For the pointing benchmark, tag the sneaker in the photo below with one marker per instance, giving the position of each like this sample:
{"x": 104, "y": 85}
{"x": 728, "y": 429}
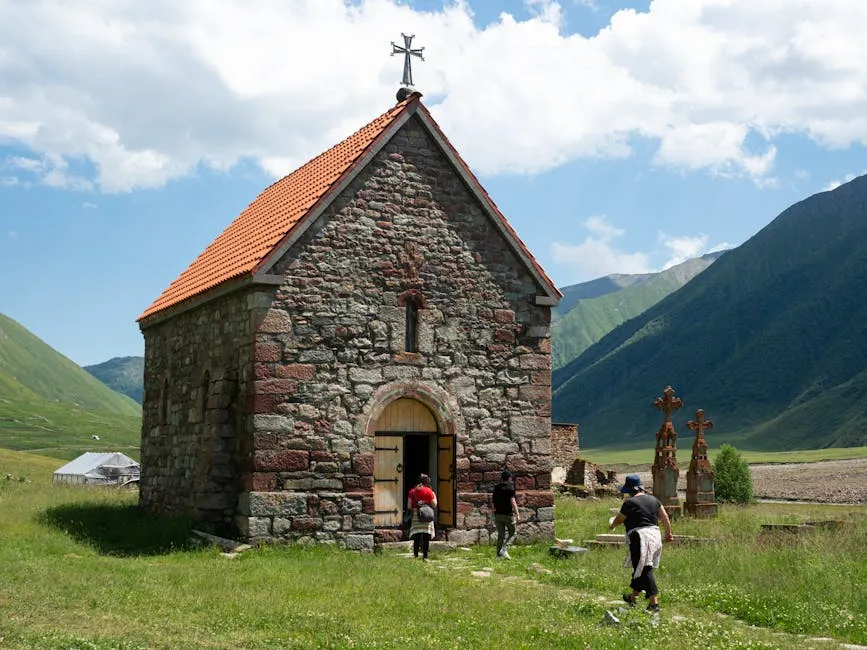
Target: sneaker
{"x": 653, "y": 608}
{"x": 504, "y": 555}
{"x": 629, "y": 599}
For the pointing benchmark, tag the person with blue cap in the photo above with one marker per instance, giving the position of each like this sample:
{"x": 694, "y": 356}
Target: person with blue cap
{"x": 641, "y": 513}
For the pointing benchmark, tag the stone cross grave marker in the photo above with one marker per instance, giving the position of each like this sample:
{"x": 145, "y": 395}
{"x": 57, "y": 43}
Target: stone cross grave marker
{"x": 700, "y": 497}
{"x": 665, "y": 470}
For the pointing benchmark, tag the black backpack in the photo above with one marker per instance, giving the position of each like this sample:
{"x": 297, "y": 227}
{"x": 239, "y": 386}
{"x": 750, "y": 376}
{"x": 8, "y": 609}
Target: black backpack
{"x": 425, "y": 513}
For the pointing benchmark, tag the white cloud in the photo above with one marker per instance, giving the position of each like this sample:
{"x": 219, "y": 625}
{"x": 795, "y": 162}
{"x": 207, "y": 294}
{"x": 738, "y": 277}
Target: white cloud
{"x": 50, "y": 169}
{"x": 596, "y": 255}
{"x": 87, "y": 205}
{"x": 8, "y": 181}
{"x": 13, "y": 234}
{"x": 682, "y": 248}
{"x": 724, "y": 246}
{"x": 834, "y": 184}
{"x": 146, "y": 92}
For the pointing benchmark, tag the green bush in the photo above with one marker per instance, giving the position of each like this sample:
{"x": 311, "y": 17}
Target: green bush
{"x": 732, "y": 479}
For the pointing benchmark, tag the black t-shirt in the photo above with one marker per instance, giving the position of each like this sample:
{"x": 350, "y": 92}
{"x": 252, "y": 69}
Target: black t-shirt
{"x": 640, "y": 510}
{"x": 503, "y": 493}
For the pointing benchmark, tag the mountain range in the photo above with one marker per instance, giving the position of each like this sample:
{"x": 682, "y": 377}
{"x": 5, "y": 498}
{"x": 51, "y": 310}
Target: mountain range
{"x": 770, "y": 340}
{"x": 50, "y": 404}
{"x": 123, "y": 374}
{"x": 588, "y": 311}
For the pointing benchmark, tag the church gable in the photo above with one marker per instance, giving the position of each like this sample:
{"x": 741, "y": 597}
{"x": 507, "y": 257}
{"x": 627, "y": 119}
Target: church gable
{"x": 409, "y": 222}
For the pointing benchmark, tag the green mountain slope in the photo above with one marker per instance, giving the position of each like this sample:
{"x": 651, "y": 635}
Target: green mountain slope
{"x": 771, "y": 341}
{"x": 122, "y": 374}
{"x": 575, "y": 293}
{"x": 591, "y": 318}
{"x": 44, "y": 372}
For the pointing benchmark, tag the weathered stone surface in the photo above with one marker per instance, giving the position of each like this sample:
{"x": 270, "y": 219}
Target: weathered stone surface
{"x": 359, "y": 542}
{"x": 290, "y": 460}
{"x": 271, "y": 504}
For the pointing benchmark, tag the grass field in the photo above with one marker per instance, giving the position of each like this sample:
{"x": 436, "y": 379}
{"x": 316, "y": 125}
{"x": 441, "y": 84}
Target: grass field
{"x": 84, "y": 568}
{"x": 638, "y": 458}
{"x": 63, "y": 431}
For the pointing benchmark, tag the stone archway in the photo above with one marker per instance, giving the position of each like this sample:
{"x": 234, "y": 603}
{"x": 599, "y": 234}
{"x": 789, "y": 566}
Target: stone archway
{"x": 414, "y": 427}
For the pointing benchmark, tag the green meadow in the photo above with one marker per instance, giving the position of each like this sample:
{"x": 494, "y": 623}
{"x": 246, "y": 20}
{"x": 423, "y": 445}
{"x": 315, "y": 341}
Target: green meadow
{"x": 635, "y": 458}
{"x": 84, "y": 568}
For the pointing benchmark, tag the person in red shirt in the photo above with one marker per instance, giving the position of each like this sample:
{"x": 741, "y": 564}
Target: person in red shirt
{"x": 421, "y": 532}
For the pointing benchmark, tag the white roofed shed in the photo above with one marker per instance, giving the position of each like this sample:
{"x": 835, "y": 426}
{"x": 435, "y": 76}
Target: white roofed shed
{"x": 97, "y": 468}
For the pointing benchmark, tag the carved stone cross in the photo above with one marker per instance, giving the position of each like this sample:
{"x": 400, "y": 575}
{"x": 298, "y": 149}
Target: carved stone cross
{"x": 699, "y": 424}
{"x": 411, "y": 258}
{"x": 668, "y": 403}
{"x": 408, "y": 52}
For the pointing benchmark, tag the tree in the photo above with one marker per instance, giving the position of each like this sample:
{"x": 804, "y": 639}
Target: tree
{"x": 732, "y": 479}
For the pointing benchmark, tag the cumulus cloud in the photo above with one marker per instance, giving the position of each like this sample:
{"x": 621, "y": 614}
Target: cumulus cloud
{"x": 598, "y": 255}
{"x": 145, "y": 92}
{"x": 834, "y": 184}
{"x": 682, "y": 248}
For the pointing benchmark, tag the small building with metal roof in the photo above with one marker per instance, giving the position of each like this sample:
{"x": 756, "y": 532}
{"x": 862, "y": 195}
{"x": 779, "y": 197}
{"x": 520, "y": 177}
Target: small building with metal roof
{"x": 98, "y": 468}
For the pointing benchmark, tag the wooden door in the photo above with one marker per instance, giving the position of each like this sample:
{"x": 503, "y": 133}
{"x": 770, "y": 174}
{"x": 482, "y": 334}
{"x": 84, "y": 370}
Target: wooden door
{"x": 388, "y": 480}
{"x": 445, "y": 481}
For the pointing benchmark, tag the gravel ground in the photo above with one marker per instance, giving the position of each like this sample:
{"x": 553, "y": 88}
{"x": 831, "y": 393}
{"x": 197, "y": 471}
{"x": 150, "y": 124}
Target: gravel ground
{"x": 831, "y": 481}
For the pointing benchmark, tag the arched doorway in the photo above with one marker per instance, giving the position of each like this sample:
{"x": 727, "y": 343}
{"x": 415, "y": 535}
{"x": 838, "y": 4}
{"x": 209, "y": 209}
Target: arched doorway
{"x": 408, "y": 442}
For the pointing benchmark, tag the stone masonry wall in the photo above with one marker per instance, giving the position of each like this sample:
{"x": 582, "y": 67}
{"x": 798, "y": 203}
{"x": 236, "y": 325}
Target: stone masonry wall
{"x": 192, "y": 455}
{"x": 564, "y": 449}
{"x": 332, "y": 344}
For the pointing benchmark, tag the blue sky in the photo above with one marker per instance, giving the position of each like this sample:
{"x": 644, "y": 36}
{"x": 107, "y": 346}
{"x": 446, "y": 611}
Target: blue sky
{"x": 615, "y": 136}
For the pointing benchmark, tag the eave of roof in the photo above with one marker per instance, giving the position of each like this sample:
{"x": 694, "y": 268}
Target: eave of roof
{"x": 254, "y": 241}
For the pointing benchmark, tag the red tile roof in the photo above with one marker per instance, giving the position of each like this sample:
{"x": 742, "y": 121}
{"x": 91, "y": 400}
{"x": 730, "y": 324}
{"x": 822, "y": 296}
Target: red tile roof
{"x": 242, "y": 247}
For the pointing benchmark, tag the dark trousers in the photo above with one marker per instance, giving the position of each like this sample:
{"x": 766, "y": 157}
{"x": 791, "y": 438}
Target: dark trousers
{"x": 646, "y": 582}
{"x": 420, "y": 540}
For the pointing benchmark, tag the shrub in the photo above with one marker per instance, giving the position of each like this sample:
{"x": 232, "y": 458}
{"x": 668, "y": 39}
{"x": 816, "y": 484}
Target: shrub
{"x": 732, "y": 479}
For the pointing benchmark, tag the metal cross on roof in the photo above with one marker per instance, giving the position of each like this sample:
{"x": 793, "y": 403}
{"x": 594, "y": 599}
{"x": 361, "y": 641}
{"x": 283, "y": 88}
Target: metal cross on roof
{"x": 407, "y": 52}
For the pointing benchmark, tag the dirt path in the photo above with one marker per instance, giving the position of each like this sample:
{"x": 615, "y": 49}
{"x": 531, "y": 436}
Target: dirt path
{"x": 830, "y": 481}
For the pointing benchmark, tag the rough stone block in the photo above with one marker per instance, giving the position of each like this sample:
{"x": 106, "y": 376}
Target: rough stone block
{"x": 524, "y": 427}
{"x": 275, "y": 387}
{"x": 363, "y": 522}
{"x": 537, "y": 499}
{"x": 277, "y": 504}
{"x": 306, "y": 524}
{"x": 263, "y": 482}
{"x": 363, "y": 464}
{"x": 290, "y": 460}
{"x": 545, "y": 514}
{"x": 268, "y": 352}
{"x": 359, "y": 542}
{"x": 504, "y": 316}
{"x": 275, "y": 423}
{"x": 535, "y": 362}
{"x": 316, "y": 356}
{"x": 463, "y": 537}
{"x": 301, "y": 371}
{"x": 276, "y": 321}
{"x": 366, "y": 376}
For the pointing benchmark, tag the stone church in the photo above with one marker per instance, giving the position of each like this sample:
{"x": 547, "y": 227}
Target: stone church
{"x": 369, "y": 317}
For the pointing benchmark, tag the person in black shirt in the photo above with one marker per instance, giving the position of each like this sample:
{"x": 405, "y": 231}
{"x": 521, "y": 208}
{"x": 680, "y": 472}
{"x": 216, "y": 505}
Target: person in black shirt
{"x": 640, "y": 513}
{"x": 505, "y": 514}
